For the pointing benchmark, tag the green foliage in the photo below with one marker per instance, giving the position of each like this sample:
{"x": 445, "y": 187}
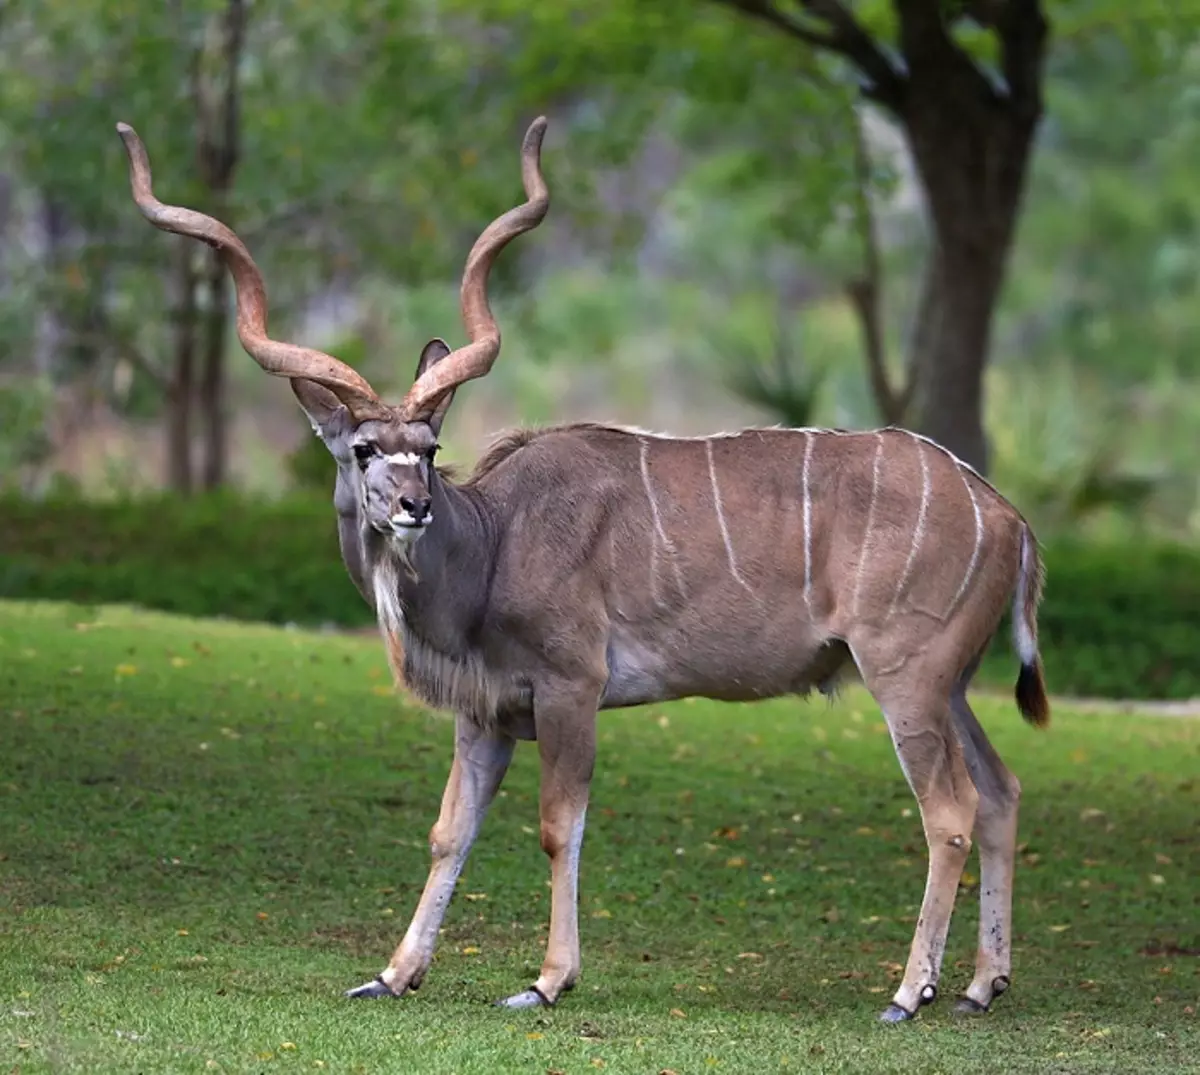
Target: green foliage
{"x": 23, "y": 440}
{"x": 217, "y": 828}
{"x": 1117, "y": 621}
{"x": 310, "y": 467}
{"x": 217, "y": 555}
{"x": 1121, "y": 621}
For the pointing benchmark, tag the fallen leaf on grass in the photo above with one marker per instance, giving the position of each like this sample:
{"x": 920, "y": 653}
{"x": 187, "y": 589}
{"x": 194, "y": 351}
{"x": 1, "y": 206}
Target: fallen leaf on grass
{"x": 1059, "y": 929}
{"x": 1157, "y": 879}
{"x": 604, "y": 912}
{"x": 179, "y": 662}
{"x": 678, "y": 1013}
{"x": 1161, "y": 859}
{"x": 475, "y": 896}
{"x": 126, "y": 669}
{"x": 534, "y": 1035}
{"x": 735, "y": 862}
{"x": 470, "y": 950}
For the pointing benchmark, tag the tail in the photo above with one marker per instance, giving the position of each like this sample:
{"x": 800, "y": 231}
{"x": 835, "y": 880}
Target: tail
{"x": 1031, "y": 683}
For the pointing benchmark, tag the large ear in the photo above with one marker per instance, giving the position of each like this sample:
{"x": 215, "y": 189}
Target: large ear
{"x": 329, "y": 416}
{"x": 431, "y": 354}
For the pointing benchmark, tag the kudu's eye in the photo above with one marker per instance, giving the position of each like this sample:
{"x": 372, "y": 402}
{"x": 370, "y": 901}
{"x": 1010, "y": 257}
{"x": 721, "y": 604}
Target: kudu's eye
{"x": 363, "y": 453}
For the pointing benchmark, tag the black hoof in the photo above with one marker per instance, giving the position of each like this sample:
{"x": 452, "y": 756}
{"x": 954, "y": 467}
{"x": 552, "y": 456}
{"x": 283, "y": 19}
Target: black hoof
{"x": 371, "y": 990}
{"x": 893, "y": 1013}
{"x": 531, "y": 998}
{"x": 967, "y": 1006}
{"x": 1000, "y": 985}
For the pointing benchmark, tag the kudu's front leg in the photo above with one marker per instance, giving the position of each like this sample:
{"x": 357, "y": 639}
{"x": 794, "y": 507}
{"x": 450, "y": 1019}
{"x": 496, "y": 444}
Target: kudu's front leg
{"x": 480, "y": 762}
{"x": 566, "y": 735}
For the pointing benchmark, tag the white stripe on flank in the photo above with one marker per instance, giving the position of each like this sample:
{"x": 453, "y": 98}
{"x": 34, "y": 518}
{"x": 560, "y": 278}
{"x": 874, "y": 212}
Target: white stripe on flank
{"x": 712, "y": 475}
{"x": 919, "y": 531}
{"x": 866, "y": 541}
{"x": 660, "y": 533}
{"x": 808, "y": 443}
{"x": 962, "y": 589}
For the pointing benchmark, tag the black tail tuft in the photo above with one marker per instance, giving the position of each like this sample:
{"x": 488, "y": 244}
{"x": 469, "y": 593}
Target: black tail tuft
{"x": 1031, "y": 695}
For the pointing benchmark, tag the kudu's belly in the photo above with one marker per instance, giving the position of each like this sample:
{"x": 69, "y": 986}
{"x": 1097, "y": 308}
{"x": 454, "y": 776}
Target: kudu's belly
{"x": 763, "y": 660}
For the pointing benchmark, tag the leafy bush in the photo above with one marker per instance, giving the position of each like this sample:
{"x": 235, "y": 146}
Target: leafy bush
{"x": 1116, "y": 622}
{"x": 217, "y": 555}
{"x": 1122, "y": 620}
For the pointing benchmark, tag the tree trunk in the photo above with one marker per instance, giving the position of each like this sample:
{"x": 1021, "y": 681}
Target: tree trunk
{"x": 213, "y": 416}
{"x": 971, "y": 146}
{"x": 180, "y": 387}
{"x": 215, "y": 89}
{"x": 951, "y": 338}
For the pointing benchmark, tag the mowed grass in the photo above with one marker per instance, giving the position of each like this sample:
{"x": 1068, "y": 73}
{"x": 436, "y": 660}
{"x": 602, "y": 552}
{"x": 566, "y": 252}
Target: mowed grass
{"x": 208, "y": 831}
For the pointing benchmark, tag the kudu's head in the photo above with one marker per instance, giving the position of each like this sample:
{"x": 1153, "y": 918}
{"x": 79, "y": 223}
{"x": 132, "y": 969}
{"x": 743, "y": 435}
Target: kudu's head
{"x": 384, "y": 452}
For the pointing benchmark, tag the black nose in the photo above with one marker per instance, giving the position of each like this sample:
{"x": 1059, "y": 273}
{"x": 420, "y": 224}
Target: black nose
{"x": 416, "y": 506}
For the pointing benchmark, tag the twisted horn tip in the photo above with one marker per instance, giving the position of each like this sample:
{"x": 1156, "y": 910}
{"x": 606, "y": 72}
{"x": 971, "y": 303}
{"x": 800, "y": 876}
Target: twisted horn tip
{"x": 535, "y": 134}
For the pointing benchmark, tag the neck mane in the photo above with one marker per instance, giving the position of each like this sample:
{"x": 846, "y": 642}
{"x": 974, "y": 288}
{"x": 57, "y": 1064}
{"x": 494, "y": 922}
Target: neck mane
{"x": 430, "y": 600}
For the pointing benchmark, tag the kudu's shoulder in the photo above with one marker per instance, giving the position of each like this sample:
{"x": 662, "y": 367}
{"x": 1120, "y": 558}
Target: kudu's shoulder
{"x": 573, "y": 447}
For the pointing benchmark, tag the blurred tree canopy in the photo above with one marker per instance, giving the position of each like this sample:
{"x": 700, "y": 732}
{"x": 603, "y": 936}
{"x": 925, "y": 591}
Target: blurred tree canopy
{"x": 753, "y": 149}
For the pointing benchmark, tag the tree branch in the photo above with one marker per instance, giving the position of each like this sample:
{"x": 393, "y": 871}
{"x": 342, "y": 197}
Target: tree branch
{"x": 128, "y": 350}
{"x": 109, "y": 338}
{"x": 845, "y": 37}
{"x": 866, "y": 291}
{"x": 1023, "y": 31}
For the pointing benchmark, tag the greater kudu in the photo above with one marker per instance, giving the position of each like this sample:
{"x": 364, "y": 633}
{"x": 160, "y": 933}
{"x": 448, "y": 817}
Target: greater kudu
{"x": 587, "y": 566}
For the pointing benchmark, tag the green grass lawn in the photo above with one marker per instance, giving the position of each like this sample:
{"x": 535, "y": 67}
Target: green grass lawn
{"x": 208, "y": 831}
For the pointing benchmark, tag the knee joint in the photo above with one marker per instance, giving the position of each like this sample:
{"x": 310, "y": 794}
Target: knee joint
{"x": 958, "y": 841}
{"x": 553, "y": 840}
{"x": 441, "y": 842}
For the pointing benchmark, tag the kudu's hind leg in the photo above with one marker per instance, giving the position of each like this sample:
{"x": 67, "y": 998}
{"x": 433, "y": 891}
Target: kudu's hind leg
{"x": 566, "y": 731}
{"x": 932, "y": 760}
{"x": 480, "y": 761}
{"x": 996, "y": 835}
